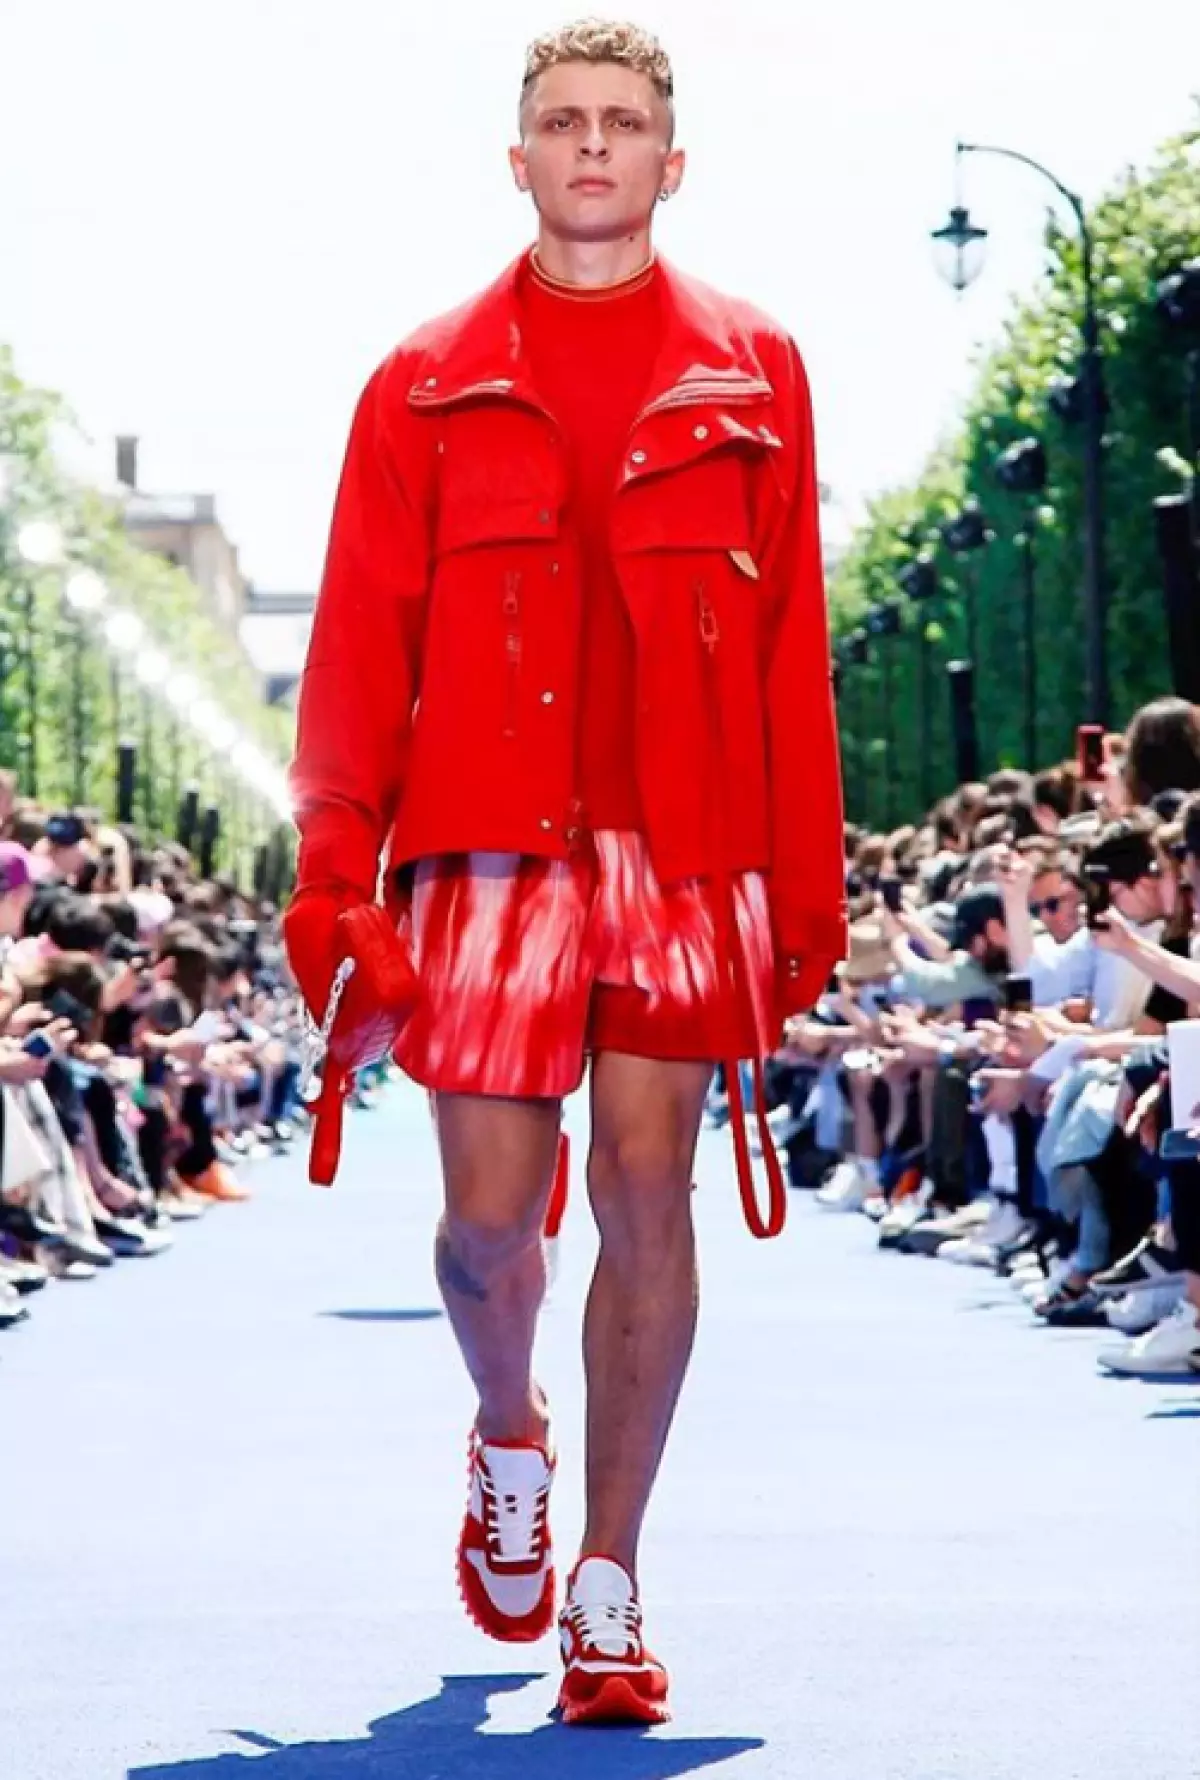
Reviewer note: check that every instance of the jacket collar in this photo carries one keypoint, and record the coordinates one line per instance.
(477, 350)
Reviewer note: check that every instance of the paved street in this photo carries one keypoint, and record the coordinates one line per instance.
(902, 1534)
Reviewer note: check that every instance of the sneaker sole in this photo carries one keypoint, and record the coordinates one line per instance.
(1136, 1285)
(482, 1612)
(615, 1701)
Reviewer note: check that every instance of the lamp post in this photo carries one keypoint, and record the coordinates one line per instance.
(1177, 302)
(964, 534)
(960, 248)
(883, 621)
(918, 581)
(40, 546)
(1021, 468)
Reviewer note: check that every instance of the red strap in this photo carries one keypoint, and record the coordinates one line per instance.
(760, 1225)
(558, 1191)
(326, 1149)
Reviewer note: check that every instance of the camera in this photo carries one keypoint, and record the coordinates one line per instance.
(1089, 749)
(890, 890)
(1097, 890)
(1018, 995)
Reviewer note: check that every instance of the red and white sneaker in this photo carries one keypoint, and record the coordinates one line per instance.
(505, 1560)
(610, 1676)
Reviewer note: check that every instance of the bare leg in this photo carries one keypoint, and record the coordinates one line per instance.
(498, 1163)
(641, 1312)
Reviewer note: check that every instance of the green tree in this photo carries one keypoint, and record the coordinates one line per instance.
(85, 700)
(1145, 227)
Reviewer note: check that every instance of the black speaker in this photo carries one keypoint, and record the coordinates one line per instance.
(210, 829)
(961, 675)
(1177, 555)
(126, 780)
(189, 816)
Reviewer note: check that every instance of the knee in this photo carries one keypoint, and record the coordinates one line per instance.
(640, 1190)
(488, 1236)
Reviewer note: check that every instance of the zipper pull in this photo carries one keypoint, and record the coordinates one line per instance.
(511, 604)
(710, 634)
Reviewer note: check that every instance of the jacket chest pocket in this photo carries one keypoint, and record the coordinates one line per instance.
(498, 483)
(711, 504)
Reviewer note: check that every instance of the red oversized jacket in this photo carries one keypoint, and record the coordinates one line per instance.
(438, 707)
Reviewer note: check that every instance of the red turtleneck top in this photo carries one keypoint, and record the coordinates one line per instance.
(592, 352)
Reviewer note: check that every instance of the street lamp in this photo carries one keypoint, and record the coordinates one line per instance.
(1177, 301)
(854, 651)
(918, 581)
(85, 591)
(964, 535)
(883, 621)
(959, 248)
(1021, 469)
(40, 543)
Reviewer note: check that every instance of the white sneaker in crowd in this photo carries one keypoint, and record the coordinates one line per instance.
(1172, 1347)
(1004, 1224)
(847, 1188)
(1041, 1283)
(1138, 1312)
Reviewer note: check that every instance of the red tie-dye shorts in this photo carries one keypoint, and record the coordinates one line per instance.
(527, 965)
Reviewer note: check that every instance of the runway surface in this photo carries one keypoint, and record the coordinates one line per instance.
(901, 1534)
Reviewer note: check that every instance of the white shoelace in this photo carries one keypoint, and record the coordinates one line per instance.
(612, 1629)
(515, 1521)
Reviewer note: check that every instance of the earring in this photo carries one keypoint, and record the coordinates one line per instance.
(663, 195)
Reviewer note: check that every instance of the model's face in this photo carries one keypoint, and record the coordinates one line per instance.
(595, 150)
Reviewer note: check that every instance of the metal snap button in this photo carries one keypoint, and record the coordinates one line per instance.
(545, 824)
(700, 432)
(547, 698)
(637, 457)
(431, 383)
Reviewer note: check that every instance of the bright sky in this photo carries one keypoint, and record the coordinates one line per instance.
(217, 215)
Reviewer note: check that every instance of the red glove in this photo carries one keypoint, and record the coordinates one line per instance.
(311, 939)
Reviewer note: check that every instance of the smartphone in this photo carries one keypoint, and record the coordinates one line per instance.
(38, 1045)
(1097, 890)
(65, 1006)
(889, 889)
(1179, 1145)
(1089, 750)
(1018, 995)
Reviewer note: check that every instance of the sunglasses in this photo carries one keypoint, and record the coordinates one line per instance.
(1049, 905)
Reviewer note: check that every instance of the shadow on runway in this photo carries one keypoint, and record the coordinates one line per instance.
(386, 1316)
(442, 1738)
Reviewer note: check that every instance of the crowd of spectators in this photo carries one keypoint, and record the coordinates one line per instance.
(988, 1076)
(149, 1046)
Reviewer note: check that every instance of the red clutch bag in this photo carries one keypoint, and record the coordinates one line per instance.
(375, 989)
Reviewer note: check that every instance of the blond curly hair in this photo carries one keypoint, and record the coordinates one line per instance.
(602, 40)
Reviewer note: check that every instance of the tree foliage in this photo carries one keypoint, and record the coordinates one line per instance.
(1144, 228)
(70, 696)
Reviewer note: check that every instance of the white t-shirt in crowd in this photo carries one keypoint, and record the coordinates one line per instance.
(1117, 989)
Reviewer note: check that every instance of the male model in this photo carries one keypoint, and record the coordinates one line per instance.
(570, 668)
